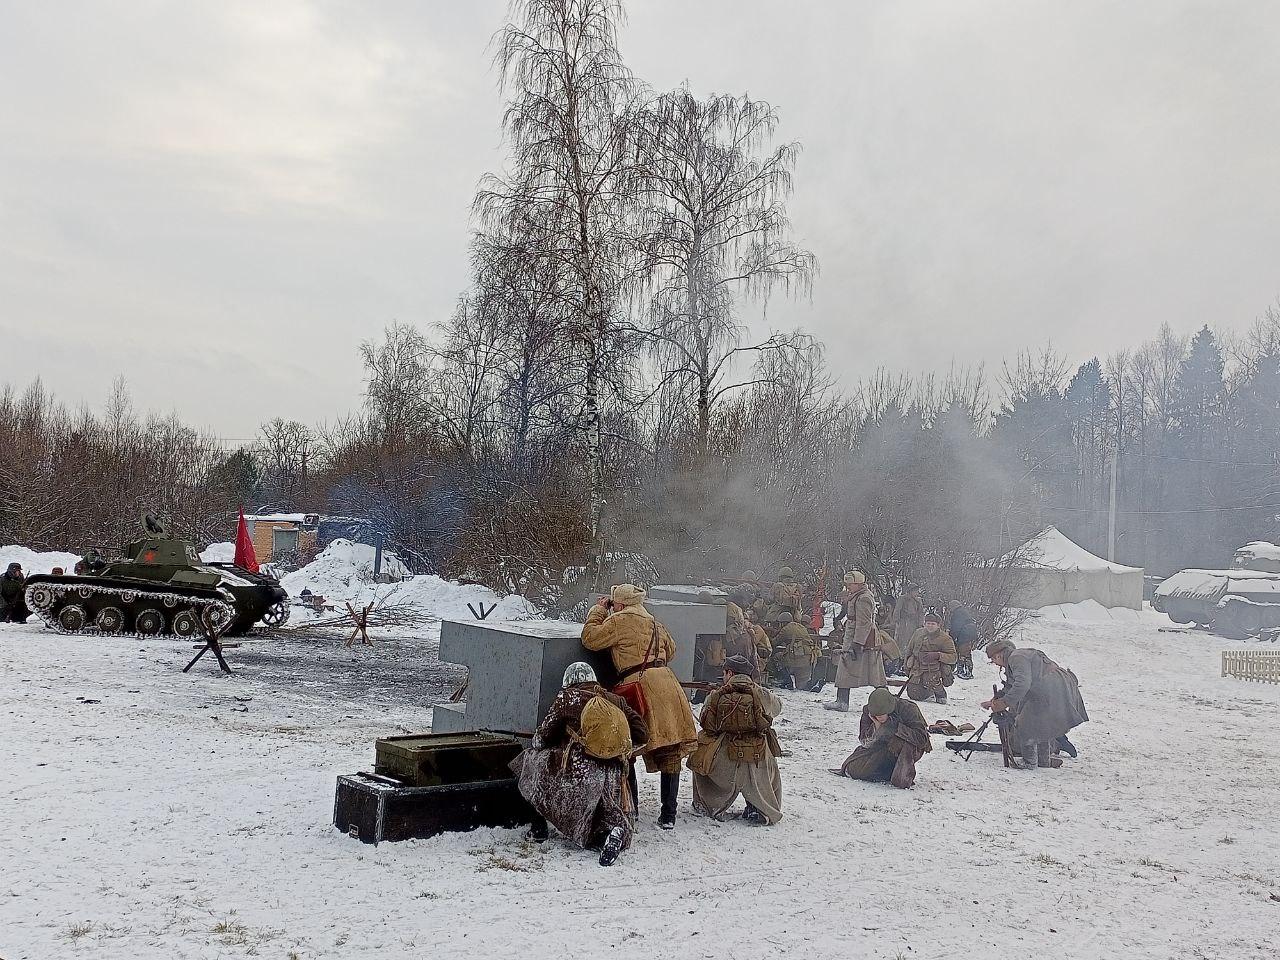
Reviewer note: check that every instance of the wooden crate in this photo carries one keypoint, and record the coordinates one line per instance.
(373, 809)
(432, 759)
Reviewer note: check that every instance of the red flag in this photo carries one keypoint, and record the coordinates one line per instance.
(245, 557)
(818, 620)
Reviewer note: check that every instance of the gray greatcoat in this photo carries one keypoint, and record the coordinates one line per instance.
(1043, 697)
(858, 662)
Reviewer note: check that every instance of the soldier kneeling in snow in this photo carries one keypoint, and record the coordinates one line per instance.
(737, 750)
(894, 737)
(575, 772)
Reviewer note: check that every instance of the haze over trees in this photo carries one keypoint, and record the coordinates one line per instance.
(596, 393)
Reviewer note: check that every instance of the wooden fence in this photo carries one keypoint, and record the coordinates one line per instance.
(1263, 665)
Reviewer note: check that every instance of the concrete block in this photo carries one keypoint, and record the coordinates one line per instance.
(515, 670)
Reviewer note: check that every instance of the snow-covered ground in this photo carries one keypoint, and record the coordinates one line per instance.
(150, 813)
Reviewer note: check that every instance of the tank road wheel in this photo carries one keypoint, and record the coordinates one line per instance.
(149, 622)
(216, 618)
(277, 614)
(72, 618)
(109, 620)
(186, 623)
(170, 602)
(40, 598)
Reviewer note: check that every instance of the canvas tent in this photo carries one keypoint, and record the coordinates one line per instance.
(1058, 570)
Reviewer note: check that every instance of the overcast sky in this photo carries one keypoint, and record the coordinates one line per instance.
(220, 200)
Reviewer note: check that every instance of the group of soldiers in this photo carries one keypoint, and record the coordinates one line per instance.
(578, 772)
(778, 628)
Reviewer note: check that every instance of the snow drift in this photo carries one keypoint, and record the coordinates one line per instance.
(344, 571)
(33, 562)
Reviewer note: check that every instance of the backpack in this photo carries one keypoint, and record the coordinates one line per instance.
(743, 712)
(603, 731)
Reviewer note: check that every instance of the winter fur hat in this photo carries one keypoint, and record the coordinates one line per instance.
(855, 578)
(881, 702)
(626, 595)
(784, 617)
(932, 617)
(997, 648)
(740, 664)
(579, 673)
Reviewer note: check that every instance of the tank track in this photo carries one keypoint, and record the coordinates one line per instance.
(43, 599)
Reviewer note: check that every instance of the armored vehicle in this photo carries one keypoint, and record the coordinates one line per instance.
(160, 588)
(1237, 603)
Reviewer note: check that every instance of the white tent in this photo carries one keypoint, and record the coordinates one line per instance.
(1058, 570)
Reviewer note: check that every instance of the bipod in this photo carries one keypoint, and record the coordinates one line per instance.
(976, 737)
(212, 641)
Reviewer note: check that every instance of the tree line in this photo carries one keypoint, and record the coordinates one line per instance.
(594, 403)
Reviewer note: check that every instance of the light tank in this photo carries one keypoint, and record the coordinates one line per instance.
(160, 588)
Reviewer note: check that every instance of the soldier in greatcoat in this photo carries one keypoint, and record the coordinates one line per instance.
(737, 749)
(641, 649)
(1040, 700)
(858, 661)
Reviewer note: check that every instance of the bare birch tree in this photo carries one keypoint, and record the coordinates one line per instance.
(715, 224)
(569, 178)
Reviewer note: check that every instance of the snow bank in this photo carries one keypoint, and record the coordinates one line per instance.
(341, 570)
(219, 553)
(344, 571)
(33, 562)
(1087, 611)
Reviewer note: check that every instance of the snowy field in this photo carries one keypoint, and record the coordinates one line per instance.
(155, 814)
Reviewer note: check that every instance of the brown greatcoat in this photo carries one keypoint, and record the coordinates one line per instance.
(1043, 697)
(889, 753)
(930, 660)
(908, 617)
(581, 796)
(628, 635)
(737, 750)
(859, 664)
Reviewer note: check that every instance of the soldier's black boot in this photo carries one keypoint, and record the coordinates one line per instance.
(754, 817)
(670, 791)
(612, 847)
(537, 830)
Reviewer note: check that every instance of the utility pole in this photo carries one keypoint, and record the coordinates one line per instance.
(1111, 514)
